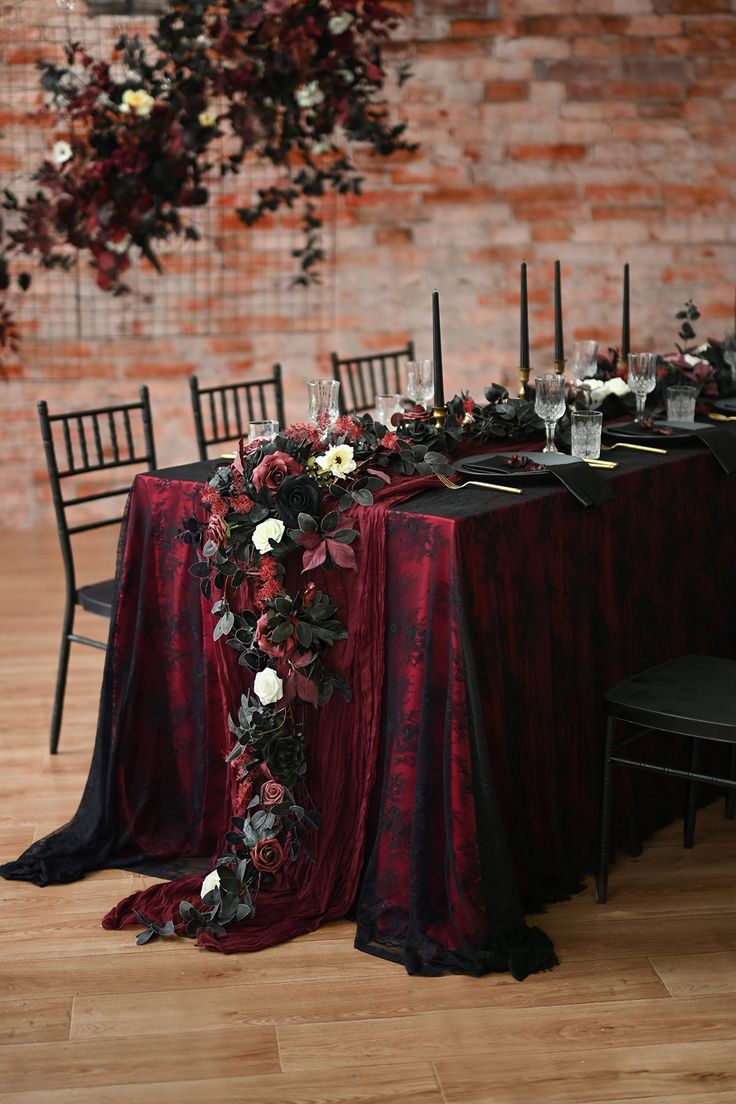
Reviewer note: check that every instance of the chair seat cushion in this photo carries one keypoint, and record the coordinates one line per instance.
(97, 597)
(694, 695)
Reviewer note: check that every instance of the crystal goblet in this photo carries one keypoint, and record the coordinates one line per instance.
(420, 381)
(642, 379)
(549, 404)
(323, 405)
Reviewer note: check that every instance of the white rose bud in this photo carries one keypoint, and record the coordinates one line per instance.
(268, 530)
(268, 687)
(211, 882)
(340, 23)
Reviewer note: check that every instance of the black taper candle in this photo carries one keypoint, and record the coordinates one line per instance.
(625, 331)
(524, 322)
(439, 387)
(559, 343)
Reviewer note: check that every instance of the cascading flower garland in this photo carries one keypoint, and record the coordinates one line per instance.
(137, 138)
(297, 496)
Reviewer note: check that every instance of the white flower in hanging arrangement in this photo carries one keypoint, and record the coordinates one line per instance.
(340, 23)
(62, 152)
(138, 101)
(309, 95)
(268, 687)
(338, 461)
(268, 530)
(206, 118)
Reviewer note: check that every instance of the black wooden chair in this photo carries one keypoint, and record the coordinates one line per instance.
(78, 444)
(222, 413)
(693, 696)
(362, 378)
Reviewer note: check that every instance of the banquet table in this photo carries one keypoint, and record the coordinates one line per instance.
(502, 622)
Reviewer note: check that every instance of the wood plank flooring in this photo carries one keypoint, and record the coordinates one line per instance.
(642, 1009)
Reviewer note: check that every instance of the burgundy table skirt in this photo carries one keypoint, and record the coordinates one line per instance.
(470, 796)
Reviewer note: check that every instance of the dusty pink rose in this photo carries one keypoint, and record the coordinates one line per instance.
(272, 793)
(268, 855)
(216, 530)
(273, 469)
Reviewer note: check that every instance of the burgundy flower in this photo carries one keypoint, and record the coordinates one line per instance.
(216, 530)
(261, 640)
(272, 793)
(268, 855)
(272, 470)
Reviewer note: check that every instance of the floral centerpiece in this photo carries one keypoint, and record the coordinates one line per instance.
(136, 138)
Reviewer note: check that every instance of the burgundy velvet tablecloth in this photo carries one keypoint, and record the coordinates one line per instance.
(478, 672)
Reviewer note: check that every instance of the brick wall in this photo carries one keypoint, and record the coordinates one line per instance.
(595, 131)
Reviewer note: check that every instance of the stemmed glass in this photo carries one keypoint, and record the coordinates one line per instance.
(642, 379)
(584, 365)
(322, 395)
(549, 404)
(420, 381)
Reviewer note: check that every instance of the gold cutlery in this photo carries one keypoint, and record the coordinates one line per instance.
(473, 483)
(639, 448)
(721, 417)
(602, 463)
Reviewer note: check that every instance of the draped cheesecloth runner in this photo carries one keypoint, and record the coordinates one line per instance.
(160, 796)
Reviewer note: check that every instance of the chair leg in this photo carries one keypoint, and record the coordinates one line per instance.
(691, 809)
(61, 681)
(731, 794)
(601, 881)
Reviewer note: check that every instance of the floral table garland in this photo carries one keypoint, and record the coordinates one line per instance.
(297, 495)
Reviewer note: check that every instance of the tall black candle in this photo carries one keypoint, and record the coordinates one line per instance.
(524, 322)
(625, 332)
(559, 344)
(439, 387)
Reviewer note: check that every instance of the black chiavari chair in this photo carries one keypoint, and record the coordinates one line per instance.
(222, 413)
(78, 444)
(362, 378)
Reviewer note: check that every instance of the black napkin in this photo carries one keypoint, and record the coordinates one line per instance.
(721, 440)
(582, 481)
(579, 478)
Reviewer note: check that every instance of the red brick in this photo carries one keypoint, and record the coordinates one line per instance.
(394, 235)
(502, 91)
(562, 151)
(628, 212)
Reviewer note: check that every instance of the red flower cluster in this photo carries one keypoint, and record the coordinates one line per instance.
(269, 586)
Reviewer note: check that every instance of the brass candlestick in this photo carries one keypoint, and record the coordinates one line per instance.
(438, 414)
(560, 367)
(524, 377)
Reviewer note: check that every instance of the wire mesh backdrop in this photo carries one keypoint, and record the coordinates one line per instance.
(234, 280)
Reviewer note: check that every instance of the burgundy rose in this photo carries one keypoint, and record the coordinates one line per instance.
(268, 856)
(272, 793)
(273, 469)
(261, 640)
(216, 530)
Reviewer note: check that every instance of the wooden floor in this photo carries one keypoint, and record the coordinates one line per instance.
(642, 1008)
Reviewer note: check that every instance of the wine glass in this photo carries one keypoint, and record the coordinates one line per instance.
(420, 381)
(549, 404)
(642, 379)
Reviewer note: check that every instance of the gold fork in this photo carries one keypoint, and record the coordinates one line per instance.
(721, 417)
(474, 483)
(639, 448)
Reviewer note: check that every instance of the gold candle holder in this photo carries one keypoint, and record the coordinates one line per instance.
(438, 414)
(560, 367)
(524, 378)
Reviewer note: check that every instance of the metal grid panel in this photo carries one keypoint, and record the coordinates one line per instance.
(234, 280)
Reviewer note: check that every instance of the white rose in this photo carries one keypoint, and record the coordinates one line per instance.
(211, 882)
(138, 101)
(309, 95)
(270, 529)
(62, 152)
(340, 23)
(600, 389)
(268, 686)
(338, 461)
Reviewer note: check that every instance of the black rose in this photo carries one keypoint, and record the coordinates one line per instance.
(284, 757)
(297, 494)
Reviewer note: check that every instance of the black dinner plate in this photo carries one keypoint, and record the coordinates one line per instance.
(490, 466)
(638, 435)
(725, 406)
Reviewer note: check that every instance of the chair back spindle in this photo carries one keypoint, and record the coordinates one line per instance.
(222, 413)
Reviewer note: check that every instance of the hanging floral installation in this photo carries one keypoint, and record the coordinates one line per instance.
(137, 139)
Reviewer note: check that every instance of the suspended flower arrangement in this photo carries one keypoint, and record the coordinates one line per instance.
(293, 83)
